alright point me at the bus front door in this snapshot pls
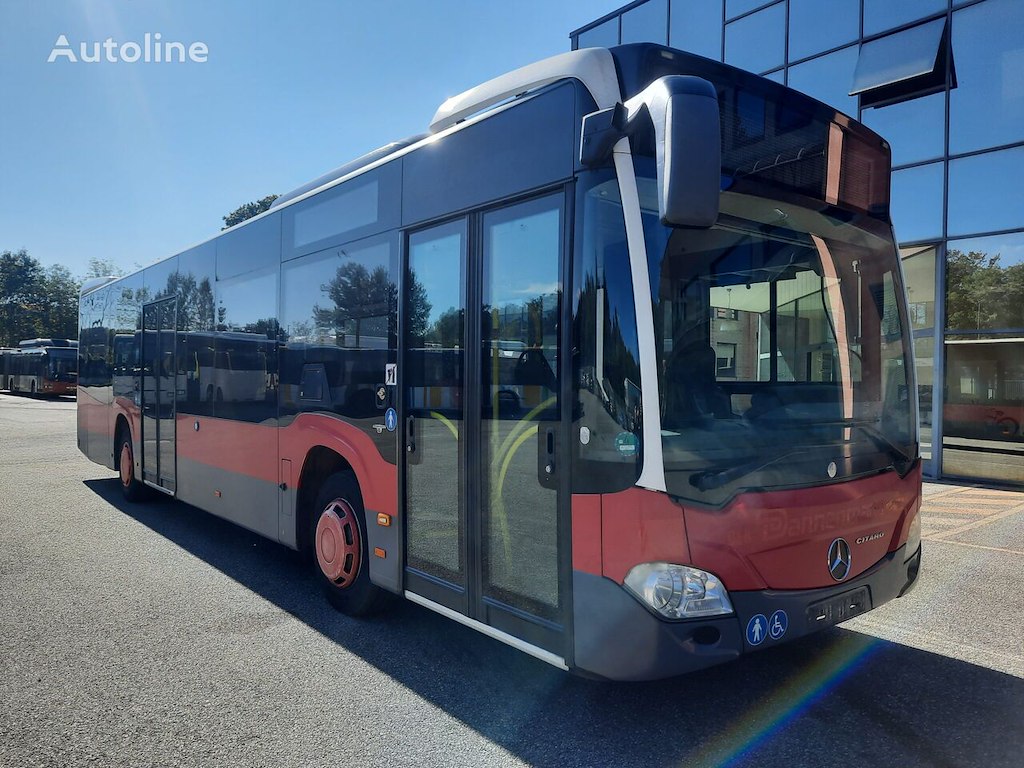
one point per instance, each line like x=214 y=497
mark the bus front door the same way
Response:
x=484 y=478
x=159 y=367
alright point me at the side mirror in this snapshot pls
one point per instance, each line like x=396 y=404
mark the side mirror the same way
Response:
x=688 y=147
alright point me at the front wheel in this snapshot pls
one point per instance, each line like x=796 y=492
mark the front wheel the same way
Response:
x=131 y=487
x=340 y=549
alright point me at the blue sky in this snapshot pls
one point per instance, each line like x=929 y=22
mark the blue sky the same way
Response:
x=132 y=162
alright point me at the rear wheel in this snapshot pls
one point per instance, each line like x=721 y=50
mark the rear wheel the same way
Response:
x=132 y=488
x=340 y=549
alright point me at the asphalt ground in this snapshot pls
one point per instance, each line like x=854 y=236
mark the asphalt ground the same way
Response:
x=158 y=635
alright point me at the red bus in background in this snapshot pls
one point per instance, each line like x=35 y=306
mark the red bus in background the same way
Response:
x=40 y=367
x=613 y=366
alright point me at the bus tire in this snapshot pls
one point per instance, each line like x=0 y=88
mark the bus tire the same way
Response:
x=133 y=489
x=340 y=551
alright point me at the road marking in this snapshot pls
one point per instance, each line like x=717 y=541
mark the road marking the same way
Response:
x=978 y=546
x=979 y=523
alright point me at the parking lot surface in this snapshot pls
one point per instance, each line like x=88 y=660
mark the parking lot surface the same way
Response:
x=155 y=634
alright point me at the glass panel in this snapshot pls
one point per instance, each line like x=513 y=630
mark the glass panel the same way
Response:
x=519 y=428
x=606 y=357
x=815 y=26
x=986 y=109
x=736 y=7
x=602 y=36
x=777 y=327
x=828 y=79
x=914 y=128
x=647 y=23
x=984 y=409
x=779 y=76
x=196 y=320
x=985 y=192
x=880 y=15
x=249 y=246
x=757 y=42
x=160 y=280
x=339 y=311
x=985 y=285
x=241 y=377
x=917 y=203
x=335 y=211
x=696 y=26
x=919 y=275
x=898 y=57
x=435 y=337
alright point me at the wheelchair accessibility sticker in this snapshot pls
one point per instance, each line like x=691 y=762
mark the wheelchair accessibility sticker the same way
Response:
x=777 y=625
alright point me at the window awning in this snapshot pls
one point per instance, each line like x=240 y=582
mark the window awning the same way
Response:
x=903 y=65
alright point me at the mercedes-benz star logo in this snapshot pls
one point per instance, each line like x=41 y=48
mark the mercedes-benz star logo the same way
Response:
x=839 y=559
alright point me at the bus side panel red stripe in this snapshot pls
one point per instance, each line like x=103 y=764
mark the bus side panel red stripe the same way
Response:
x=640 y=526
x=586 y=533
x=235 y=446
x=378 y=479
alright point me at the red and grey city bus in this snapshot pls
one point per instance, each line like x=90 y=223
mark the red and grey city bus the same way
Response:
x=612 y=365
x=40 y=367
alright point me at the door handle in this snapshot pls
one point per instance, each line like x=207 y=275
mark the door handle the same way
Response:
x=549 y=451
x=410 y=434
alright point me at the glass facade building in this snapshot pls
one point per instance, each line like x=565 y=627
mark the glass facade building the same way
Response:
x=943 y=82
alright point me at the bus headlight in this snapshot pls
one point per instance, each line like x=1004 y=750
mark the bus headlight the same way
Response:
x=679 y=591
x=913 y=537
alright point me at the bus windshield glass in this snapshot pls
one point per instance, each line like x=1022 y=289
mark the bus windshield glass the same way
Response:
x=782 y=348
x=63 y=364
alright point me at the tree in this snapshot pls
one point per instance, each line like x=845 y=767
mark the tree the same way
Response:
x=360 y=297
x=58 y=301
x=20 y=296
x=103 y=268
x=982 y=294
x=247 y=211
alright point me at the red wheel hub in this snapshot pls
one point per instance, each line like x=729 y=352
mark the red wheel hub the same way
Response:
x=337 y=543
x=126 y=469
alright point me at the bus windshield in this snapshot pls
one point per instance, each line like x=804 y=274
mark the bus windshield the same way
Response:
x=782 y=349
x=63 y=364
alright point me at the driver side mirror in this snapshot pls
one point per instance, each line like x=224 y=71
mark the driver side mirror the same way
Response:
x=687 y=137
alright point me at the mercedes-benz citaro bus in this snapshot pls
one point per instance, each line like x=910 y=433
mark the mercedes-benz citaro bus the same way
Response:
x=612 y=365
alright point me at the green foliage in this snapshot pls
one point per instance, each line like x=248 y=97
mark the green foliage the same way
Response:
x=981 y=294
x=103 y=268
x=37 y=302
x=247 y=211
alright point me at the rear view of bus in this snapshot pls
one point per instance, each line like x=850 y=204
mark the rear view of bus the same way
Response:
x=748 y=460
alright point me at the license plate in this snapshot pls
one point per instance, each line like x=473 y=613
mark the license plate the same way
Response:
x=839 y=608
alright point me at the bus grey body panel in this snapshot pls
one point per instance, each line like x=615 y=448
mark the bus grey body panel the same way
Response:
x=348 y=168
x=446 y=176
x=593 y=67
x=385 y=555
x=617 y=638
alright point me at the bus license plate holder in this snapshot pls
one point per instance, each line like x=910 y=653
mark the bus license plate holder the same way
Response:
x=827 y=613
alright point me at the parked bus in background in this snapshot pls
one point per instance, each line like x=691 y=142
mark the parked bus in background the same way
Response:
x=613 y=366
x=40 y=367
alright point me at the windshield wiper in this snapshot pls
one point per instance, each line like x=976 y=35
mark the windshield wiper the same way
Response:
x=710 y=479
x=900 y=460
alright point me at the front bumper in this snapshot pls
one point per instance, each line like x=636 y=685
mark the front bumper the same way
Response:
x=617 y=638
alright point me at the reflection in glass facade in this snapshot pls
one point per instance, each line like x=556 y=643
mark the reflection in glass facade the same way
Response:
x=757 y=42
x=917 y=202
x=957 y=204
